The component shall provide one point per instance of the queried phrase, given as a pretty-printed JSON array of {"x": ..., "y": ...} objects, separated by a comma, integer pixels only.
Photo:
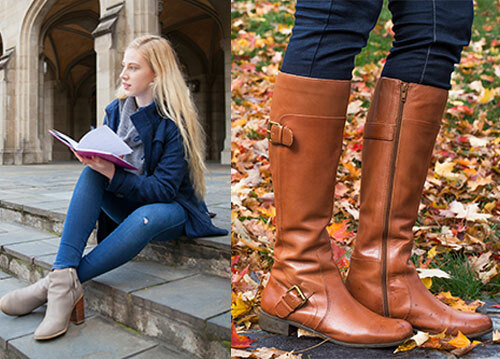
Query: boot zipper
[{"x": 402, "y": 100}]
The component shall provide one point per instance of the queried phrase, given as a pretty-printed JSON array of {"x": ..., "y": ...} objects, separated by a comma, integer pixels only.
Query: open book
[{"x": 102, "y": 142}]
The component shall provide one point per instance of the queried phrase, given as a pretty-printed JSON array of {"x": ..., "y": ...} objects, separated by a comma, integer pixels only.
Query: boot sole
[
  {"x": 276, "y": 325},
  {"x": 476, "y": 335},
  {"x": 75, "y": 317}
]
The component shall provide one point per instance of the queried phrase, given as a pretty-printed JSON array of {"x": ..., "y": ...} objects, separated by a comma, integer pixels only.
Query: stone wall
[{"x": 34, "y": 98}]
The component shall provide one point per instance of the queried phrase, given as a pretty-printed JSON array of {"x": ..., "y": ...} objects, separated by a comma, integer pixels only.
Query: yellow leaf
[
  {"x": 416, "y": 340},
  {"x": 407, "y": 345},
  {"x": 486, "y": 96},
  {"x": 240, "y": 307},
  {"x": 490, "y": 206},
  {"x": 353, "y": 170},
  {"x": 240, "y": 122},
  {"x": 432, "y": 253},
  {"x": 445, "y": 170},
  {"x": 427, "y": 282},
  {"x": 267, "y": 212},
  {"x": 482, "y": 181},
  {"x": 457, "y": 303},
  {"x": 460, "y": 341},
  {"x": 441, "y": 335}
]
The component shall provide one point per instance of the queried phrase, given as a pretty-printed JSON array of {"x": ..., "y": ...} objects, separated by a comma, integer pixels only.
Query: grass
[
  {"x": 378, "y": 46},
  {"x": 463, "y": 283}
]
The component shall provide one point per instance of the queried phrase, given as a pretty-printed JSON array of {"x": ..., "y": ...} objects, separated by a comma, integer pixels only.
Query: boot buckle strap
[
  {"x": 278, "y": 134},
  {"x": 290, "y": 301}
]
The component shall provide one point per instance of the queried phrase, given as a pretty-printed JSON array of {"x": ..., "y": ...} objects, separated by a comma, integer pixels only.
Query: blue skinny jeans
[
  {"x": 429, "y": 38},
  {"x": 138, "y": 225}
]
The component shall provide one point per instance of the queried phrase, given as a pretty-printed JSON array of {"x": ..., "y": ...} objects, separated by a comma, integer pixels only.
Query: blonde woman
[{"x": 154, "y": 114}]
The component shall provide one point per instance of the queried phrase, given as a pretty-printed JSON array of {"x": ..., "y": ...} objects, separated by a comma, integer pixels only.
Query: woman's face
[{"x": 136, "y": 74}]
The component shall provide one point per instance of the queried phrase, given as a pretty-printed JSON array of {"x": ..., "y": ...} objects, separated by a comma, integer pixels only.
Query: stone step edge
[
  {"x": 14, "y": 350},
  {"x": 59, "y": 218},
  {"x": 202, "y": 330},
  {"x": 207, "y": 253}
]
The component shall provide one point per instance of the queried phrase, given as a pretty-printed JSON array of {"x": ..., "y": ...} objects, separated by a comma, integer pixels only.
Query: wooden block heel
[
  {"x": 274, "y": 324},
  {"x": 78, "y": 313}
]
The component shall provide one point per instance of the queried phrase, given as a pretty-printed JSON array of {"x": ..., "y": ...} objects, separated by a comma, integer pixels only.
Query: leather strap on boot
[{"x": 278, "y": 134}]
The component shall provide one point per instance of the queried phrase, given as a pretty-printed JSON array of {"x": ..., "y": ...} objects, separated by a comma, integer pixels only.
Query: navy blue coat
[{"x": 166, "y": 172}]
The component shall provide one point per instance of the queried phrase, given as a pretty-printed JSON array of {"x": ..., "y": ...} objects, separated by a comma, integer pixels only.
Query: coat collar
[{"x": 145, "y": 120}]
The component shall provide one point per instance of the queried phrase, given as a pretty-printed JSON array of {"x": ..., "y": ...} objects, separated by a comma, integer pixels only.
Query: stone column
[
  {"x": 225, "y": 156},
  {"x": 106, "y": 59},
  {"x": 3, "y": 112},
  {"x": 48, "y": 115},
  {"x": 4, "y": 108},
  {"x": 142, "y": 17}
]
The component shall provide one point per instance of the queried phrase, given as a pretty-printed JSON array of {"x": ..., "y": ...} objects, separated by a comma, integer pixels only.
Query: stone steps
[
  {"x": 208, "y": 254},
  {"x": 180, "y": 307},
  {"x": 38, "y": 196},
  {"x": 97, "y": 337}
]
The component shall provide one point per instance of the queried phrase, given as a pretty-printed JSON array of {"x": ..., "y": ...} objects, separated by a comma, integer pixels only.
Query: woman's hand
[{"x": 104, "y": 167}]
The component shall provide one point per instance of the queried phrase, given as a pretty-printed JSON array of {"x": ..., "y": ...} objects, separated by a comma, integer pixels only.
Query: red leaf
[
  {"x": 237, "y": 276},
  {"x": 339, "y": 255},
  {"x": 357, "y": 147},
  {"x": 233, "y": 262},
  {"x": 239, "y": 341}
]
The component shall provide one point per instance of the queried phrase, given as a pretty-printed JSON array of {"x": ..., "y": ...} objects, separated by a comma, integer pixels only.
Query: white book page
[
  {"x": 65, "y": 138},
  {"x": 103, "y": 139}
]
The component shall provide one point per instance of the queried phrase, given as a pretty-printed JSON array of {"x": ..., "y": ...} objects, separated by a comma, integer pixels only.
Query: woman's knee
[
  {"x": 89, "y": 174},
  {"x": 325, "y": 39},
  {"x": 159, "y": 215}
]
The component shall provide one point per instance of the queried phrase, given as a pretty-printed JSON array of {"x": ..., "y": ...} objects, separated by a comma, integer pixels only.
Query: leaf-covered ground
[{"x": 458, "y": 224}]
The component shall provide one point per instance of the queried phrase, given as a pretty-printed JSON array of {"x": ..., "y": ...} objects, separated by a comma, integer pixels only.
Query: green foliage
[{"x": 463, "y": 283}]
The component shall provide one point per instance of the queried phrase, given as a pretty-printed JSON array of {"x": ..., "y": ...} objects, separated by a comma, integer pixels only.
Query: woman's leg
[
  {"x": 154, "y": 221},
  {"x": 429, "y": 38},
  {"x": 327, "y": 35},
  {"x": 81, "y": 218}
]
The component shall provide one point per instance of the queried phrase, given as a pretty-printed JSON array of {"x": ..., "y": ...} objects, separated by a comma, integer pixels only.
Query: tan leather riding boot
[
  {"x": 24, "y": 300},
  {"x": 399, "y": 136},
  {"x": 305, "y": 288},
  {"x": 64, "y": 303}
]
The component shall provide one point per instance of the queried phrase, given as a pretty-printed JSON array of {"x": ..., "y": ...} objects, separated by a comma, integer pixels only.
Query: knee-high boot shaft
[
  {"x": 304, "y": 173},
  {"x": 399, "y": 136},
  {"x": 305, "y": 287}
]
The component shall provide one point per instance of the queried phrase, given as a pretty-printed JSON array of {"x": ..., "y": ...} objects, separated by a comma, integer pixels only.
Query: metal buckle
[
  {"x": 269, "y": 125},
  {"x": 301, "y": 295}
]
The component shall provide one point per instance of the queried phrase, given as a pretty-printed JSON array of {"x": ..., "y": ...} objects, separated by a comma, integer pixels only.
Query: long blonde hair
[{"x": 174, "y": 101}]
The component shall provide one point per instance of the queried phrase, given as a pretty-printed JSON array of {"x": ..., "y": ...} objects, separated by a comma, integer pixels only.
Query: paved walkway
[{"x": 49, "y": 186}]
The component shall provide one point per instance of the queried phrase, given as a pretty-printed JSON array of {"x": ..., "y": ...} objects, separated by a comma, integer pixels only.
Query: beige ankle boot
[
  {"x": 24, "y": 300},
  {"x": 65, "y": 303}
]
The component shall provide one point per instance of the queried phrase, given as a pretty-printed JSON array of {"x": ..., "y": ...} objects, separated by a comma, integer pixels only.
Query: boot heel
[
  {"x": 273, "y": 324},
  {"x": 78, "y": 313}
]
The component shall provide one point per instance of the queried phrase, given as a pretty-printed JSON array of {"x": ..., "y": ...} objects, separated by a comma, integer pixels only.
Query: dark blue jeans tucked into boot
[
  {"x": 139, "y": 224},
  {"x": 429, "y": 38}
]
